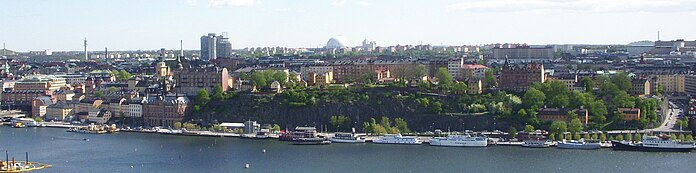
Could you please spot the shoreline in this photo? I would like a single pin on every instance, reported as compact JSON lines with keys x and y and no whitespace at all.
{"x":425,"y":139}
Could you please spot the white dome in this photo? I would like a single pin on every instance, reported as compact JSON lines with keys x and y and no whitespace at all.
{"x":338,"y":42}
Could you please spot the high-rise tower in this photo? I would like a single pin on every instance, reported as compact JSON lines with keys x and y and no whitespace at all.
{"x":85,"y":44}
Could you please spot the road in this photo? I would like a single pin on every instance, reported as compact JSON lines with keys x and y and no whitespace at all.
{"x":671,"y":119}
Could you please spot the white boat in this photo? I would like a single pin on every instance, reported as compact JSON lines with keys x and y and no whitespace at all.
{"x":398,"y":139}
{"x":460,"y":141}
{"x":536,"y":143}
{"x":262,"y":134}
{"x":661,"y":143}
{"x":347,"y":138}
{"x":582,"y":144}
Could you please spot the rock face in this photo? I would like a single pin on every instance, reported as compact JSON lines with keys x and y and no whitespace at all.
{"x":275,"y":109}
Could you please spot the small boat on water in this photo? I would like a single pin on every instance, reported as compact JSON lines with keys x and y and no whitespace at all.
{"x":311,"y":141}
{"x":460,"y":141}
{"x":661,"y":143}
{"x":93,"y":129}
{"x":582,"y":144}
{"x":398,"y":139}
{"x":263,"y":134}
{"x":536,"y":143}
{"x":347,"y":138}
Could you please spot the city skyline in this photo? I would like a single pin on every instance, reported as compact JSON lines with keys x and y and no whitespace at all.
{"x":150,"y":25}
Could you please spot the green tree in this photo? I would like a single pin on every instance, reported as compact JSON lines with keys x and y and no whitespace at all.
{"x":177,"y":125}
{"x":620,"y":137}
{"x":202,"y":98}
{"x":558,"y":127}
{"x":217,"y":93}
{"x":379,"y":129}
{"x":611,"y":138}
{"x":444,"y":78}
{"x":522,"y":114}
{"x":673,"y":136}
{"x":460,"y":88}
{"x":576,"y":136}
{"x":512,"y":131}
{"x":594,"y":136}
{"x":586,"y":83}
{"x":533,"y":99}
{"x":575,"y":126}
{"x":436,"y":107}
{"x":629,"y":137}
{"x":38,"y":119}
{"x":340,"y":122}
{"x":638,"y":137}
{"x":622,"y":81}
{"x":529,"y":128}
{"x":689,"y":138}
{"x":385,"y":122}
{"x":552,"y":136}
{"x":489,"y":79}
{"x":99,"y":94}
{"x":123,"y":75}
{"x":681,"y":137}
{"x":586,"y":136}
{"x":112,"y":89}
{"x":402,"y":125}
{"x":276,"y":127}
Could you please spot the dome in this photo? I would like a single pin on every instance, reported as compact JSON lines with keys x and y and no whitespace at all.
{"x":337,"y":42}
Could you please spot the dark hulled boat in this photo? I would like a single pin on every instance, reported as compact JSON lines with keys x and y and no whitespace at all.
{"x":663,"y":143}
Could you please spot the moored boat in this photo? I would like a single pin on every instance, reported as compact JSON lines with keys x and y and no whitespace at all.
{"x":582,"y":144}
{"x":299,"y":132}
{"x":536,"y":143}
{"x":397,"y":139}
{"x":347,"y":138}
{"x":311,"y":141}
{"x":460,"y":141}
{"x":662,"y":143}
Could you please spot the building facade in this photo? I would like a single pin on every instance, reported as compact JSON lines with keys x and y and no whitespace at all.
{"x":520,"y":77}
{"x":673,"y":83}
{"x":164,"y":111}
{"x":190,"y":81}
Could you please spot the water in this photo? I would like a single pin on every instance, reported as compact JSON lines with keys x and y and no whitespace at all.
{"x":135,"y":152}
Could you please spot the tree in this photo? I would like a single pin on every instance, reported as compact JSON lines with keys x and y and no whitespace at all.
{"x":99,"y":94}
{"x":460,"y":88}
{"x":558,"y":127}
{"x":575,"y":125}
{"x":276,"y":127}
{"x":622,"y":81}
{"x":202,"y":98}
{"x":123,"y":75}
{"x":689,"y":138}
{"x":533,"y":99}
{"x":112,"y":89}
{"x":576,"y":136}
{"x":522,"y":114}
{"x":379,"y":129}
{"x":673,"y":136}
{"x":681,"y":137}
{"x":489,"y":79}
{"x":552,"y":136}
{"x":340,"y":122}
{"x":436,"y":107}
{"x":513,"y":132}
{"x":638,"y":137}
{"x":177,"y":125}
{"x":217,"y":93}
{"x":38,"y":119}
{"x":586,"y":82}
{"x":385,"y":122}
{"x":620,"y":137}
{"x":586,"y":136}
{"x":402,"y":125}
{"x":594,"y":136}
{"x":444,"y":78}
{"x":529,"y":128}
{"x":629,"y":137}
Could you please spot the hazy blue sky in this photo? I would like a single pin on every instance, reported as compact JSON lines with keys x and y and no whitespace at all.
{"x":152,"y":24}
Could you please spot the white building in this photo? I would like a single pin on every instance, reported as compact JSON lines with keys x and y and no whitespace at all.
{"x":134,"y":109}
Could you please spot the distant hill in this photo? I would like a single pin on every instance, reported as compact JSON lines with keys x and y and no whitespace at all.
{"x":7,"y":52}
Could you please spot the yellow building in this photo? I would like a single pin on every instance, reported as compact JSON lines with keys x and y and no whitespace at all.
{"x":59,"y":111}
{"x":673,"y":83}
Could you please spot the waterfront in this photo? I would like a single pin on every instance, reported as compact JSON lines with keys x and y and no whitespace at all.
{"x":138,"y":152}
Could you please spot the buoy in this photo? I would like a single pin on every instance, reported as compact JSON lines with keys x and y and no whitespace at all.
{"x":131,"y":166}
{"x":264,"y":150}
{"x":246,"y":166}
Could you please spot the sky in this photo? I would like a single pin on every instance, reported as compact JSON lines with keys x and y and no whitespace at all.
{"x":28,"y":25}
